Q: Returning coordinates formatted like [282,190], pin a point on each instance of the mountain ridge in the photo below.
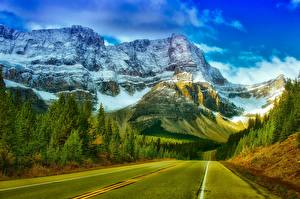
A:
[76,60]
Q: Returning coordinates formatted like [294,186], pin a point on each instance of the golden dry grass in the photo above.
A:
[280,160]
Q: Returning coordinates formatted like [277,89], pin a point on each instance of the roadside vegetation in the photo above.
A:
[267,152]
[282,121]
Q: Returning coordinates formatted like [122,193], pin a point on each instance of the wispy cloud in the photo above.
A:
[209,49]
[291,4]
[217,17]
[238,25]
[262,71]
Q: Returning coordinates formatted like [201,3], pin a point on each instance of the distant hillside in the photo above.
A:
[281,122]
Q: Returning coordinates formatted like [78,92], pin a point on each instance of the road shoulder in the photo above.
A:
[273,185]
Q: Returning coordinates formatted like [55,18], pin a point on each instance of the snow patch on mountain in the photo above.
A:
[122,100]
[12,84]
[198,77]
[243,119]
[249,105]
[276,94]
[46,96]
[261,111]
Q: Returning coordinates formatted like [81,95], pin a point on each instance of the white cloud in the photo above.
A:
[36,26]
[216,17]
[107,43]
[193,17]
[209,49]
[225,68]
[262,71]
[238,25]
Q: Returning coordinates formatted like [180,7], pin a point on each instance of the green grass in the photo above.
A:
[182,181]
[157,131]
[70,188]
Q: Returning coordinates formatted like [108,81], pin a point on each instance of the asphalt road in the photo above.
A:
[165,179]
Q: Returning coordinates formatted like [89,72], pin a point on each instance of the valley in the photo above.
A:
[157,118]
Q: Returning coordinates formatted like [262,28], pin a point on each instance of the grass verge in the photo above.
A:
[275,185]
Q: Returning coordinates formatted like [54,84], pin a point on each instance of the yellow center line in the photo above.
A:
[103,190]
[121,184]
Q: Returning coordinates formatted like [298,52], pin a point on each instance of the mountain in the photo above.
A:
[254,99]
[76,58]
[182,107]
[163,84]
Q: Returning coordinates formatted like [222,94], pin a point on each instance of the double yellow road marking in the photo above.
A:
[121,184]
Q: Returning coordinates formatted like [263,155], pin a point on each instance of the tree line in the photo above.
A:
[282,121]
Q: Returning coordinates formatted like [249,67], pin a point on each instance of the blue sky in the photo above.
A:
[248,40]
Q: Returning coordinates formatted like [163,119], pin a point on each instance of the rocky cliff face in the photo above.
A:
[76,58]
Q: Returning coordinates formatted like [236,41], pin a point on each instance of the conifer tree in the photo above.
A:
[65,118]
[72,150]
[84,125]
[2,84]
[7,117]
[101,119]
[107,136]
[129,144]
[24,130]
[115,144]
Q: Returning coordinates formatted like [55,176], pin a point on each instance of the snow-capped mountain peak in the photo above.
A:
[75,59]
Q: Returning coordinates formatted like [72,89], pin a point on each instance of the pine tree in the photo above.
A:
[64,118]
[72,150]
[53,155]
[129,144]
[7,131]
[42,134]
[25,129]
[84,125]
[7,117]
[107,135]
[2,84]
[115,144]
[101,120]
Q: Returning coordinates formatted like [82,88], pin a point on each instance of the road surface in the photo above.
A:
[164,179]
